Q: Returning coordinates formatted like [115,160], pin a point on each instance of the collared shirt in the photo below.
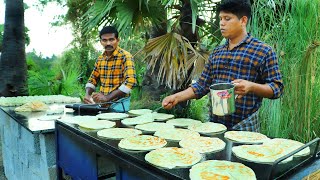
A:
[250,60]
[114,72]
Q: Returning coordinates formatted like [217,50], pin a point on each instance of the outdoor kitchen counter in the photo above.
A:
[79,159]
[28,145]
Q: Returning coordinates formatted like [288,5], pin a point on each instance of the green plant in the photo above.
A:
[292,28]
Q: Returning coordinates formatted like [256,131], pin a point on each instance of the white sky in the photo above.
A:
[44,39]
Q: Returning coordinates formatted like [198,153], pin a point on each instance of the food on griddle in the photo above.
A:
[215,169]
[118,133]
[176,134]
[203,144]
[162,116]
[32,106]
[78,119]
[112,116]
[183,122]
[173,157]
[289,145]
[142,143]
[208,128]
[97,124]
[153,127]
[262,154]
[245,137]
[146,118]
[139,112]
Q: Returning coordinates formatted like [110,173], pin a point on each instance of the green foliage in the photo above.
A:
[292,28]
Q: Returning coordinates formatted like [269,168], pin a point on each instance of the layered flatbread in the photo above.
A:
[245,137]
[77,119]
[153,127]
[289,145]
[146,118]
[112,116]
[183,122]
[32,106]
[216,170]
[97,124]
[203,144]
[118,133]
[142,143]
[208,128]
[176,134]
[173,157]
[162,116]
[262,154]
[139,112]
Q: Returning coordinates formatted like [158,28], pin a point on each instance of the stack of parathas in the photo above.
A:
[208,128]
[32,106]
[173,157]
[214,169]
[245,137]
[118,133]
[142,143]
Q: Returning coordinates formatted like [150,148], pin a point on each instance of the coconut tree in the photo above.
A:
[13,68]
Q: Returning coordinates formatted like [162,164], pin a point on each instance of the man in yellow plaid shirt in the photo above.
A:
[115,71]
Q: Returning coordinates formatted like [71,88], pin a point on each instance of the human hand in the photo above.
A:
[88,99]
[99,98]
[169,102]
[242,87]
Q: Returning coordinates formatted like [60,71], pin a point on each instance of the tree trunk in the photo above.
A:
[13,66]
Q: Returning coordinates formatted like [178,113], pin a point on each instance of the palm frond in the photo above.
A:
[174,55]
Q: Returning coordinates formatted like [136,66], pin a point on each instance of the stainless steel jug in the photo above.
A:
[223,98]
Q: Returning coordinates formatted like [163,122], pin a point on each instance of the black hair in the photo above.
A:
[239,8]
[109,30]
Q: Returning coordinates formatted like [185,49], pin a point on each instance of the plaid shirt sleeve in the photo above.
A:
[129,74]
[93,79]
[201,87]
[271,74]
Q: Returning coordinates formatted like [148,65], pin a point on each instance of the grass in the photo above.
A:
[293,30]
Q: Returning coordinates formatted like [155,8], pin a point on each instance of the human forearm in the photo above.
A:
[174,99]
[262,90]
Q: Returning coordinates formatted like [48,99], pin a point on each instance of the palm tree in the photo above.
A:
[13,67]
[173,55]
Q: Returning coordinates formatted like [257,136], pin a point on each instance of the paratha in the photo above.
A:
[262,154]
[147,118]
[32,106]
[215,169]
[162,116]
[289,145]
[203,144]
[142,143]
[176,134]
[208,128]
[118,133]
[153,127]
[112,116]
[173,157]
[97,124]
[183,122]
[139,112]
[77,119]
[245,137]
